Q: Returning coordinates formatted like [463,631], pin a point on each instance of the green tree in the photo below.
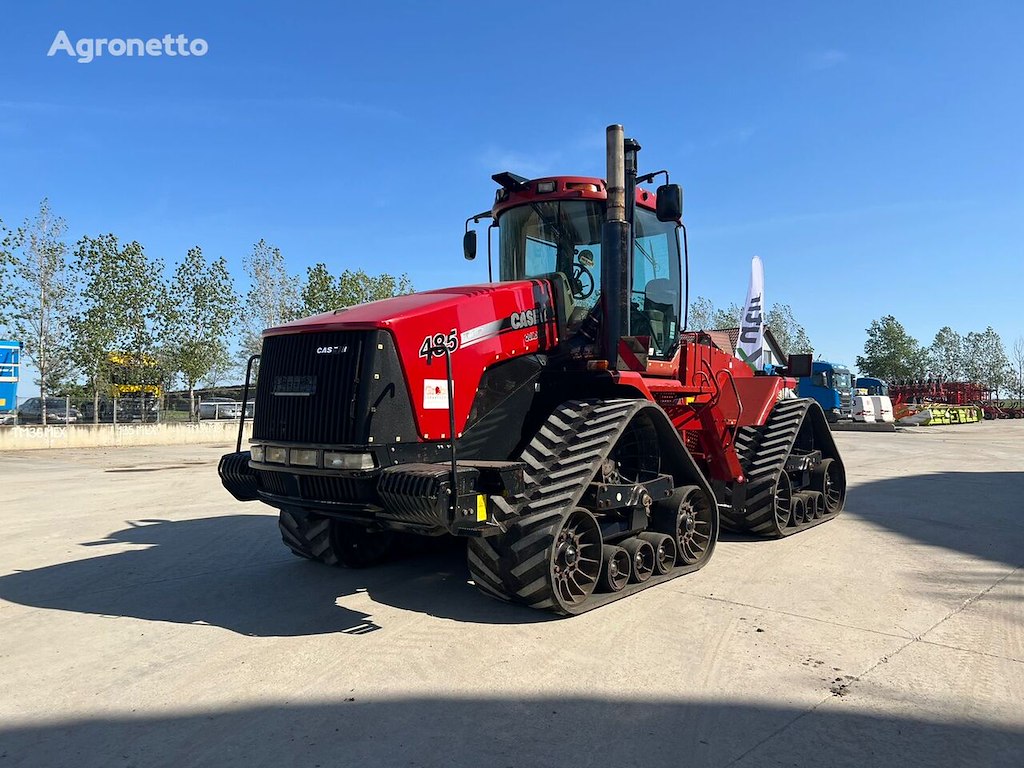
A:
[985,360]
[700,315]
[36,295]
[203,306]
[728,317]
[224,369]
[790,334]
[324,292]
[272,299]
[6,243]
[141,308]
[94,327]
[1017,369]
[946,355]
[890,352]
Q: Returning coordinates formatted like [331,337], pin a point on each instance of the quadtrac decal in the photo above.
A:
[517,321]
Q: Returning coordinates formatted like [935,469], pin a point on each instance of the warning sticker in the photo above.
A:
[435,395]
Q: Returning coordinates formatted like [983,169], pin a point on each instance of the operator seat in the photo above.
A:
[660,297]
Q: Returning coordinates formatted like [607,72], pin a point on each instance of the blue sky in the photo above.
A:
[870,153]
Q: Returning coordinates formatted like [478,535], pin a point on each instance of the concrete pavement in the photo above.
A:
[146,618]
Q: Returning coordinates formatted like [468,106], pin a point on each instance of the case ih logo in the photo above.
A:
[336,350]
[530,317]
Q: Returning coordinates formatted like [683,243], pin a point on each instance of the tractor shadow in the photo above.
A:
[438,732]
[976,513]
[234,572]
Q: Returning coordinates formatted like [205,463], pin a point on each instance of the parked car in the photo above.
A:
[129,410]
[220,408]
[57,412]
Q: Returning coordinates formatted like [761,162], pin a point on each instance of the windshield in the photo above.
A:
[564,237]
[841,380]
[558,236]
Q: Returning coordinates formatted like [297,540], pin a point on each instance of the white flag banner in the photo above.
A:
[750,346]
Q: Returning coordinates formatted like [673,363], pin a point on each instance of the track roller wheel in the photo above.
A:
[576,558]
[818,500]
[783,500]
[829,479]
[689,515]
[664,550]
[552,561]
[615,569]
[359,547]
[799,509]
[642,558]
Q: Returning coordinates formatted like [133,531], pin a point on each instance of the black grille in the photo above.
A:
[273,482]
[291,364]
[350,490]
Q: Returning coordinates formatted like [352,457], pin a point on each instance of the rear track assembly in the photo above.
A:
[528,563]
[770,503]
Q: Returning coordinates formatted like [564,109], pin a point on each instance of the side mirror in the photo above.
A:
[799,366]
[670,202]
[469,244]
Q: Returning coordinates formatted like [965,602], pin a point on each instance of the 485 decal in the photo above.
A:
[436,344]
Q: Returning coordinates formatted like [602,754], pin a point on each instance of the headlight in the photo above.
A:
[348,460]
[256,452]
[275,455]
[303,457]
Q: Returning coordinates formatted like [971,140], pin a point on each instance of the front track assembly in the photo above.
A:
[794,476]
[556,553]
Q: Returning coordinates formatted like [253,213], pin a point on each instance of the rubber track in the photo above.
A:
[562,459]
[308,536]
[763,452]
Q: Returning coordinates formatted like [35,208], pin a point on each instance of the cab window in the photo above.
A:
[656,300]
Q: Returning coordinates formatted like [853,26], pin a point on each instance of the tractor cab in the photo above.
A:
[552,228]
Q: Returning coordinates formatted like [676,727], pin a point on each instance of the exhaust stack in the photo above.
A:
[616,241]
[615,142]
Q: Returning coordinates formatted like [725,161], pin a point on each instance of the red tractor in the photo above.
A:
[557,418]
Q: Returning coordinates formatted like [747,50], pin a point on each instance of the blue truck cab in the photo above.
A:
[873,386]
[831,385]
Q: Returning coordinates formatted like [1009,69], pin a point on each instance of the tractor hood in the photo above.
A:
[385,313]
[482,326]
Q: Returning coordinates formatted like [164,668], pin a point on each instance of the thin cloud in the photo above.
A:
[583,154]
[529,165]
[789,220]
[729,138]
[827,59]
[320,103]
[49,107]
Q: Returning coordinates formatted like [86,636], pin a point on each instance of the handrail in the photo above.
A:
[245,399]
[735,391]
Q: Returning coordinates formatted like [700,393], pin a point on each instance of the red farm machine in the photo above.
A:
[556,417]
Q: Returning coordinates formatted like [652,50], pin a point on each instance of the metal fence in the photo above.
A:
[67,411]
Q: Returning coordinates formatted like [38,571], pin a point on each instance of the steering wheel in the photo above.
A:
[581,284]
